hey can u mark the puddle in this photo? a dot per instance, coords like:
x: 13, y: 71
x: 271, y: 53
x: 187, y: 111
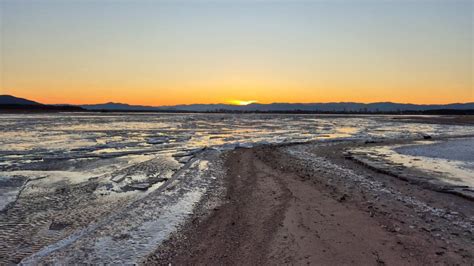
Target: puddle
x: 451, y: 161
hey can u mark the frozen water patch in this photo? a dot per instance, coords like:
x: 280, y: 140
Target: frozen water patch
x: 145, y: 176
x: 450, y: 161
x: 131, y: 245
x: 460, y: 150
x: 52, y: 176
x: 129, y: 236
x: 115, y: 152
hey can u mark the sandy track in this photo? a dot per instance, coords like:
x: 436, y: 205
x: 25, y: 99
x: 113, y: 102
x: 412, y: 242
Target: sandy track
x: 281, y: 209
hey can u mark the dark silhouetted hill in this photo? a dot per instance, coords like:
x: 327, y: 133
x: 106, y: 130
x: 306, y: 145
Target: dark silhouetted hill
x: 10, y: 103
x: 8, y: 99
x: 120, y: 107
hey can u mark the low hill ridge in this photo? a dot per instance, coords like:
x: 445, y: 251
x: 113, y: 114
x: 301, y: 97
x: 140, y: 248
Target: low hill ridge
x: 349, y: 107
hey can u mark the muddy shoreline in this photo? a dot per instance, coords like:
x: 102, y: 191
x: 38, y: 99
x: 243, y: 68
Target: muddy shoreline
x: 297, y: 203
x: 310, y: 204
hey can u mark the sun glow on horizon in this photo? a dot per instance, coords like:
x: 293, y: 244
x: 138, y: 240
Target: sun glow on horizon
x: 240, y: 102
x: 165, y: 53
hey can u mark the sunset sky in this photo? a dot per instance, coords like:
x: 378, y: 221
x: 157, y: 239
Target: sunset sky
x: 182, y: 52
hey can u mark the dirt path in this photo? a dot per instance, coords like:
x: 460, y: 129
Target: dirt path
x: 276, y: 214
x: 241, y: 230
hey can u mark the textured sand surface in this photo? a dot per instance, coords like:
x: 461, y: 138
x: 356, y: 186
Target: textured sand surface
x: 307, y: 204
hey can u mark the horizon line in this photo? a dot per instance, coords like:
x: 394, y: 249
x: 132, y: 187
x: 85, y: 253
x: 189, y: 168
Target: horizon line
x: 230, y: 104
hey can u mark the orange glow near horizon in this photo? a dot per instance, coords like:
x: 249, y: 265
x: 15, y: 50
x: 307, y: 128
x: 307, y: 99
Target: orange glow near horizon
x: 297, y: 95
x: 164, y: 53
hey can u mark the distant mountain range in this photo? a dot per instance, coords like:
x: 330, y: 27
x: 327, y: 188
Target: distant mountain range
x: 286, y: 107
x: 324, y: 107
x: 349, y: 107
